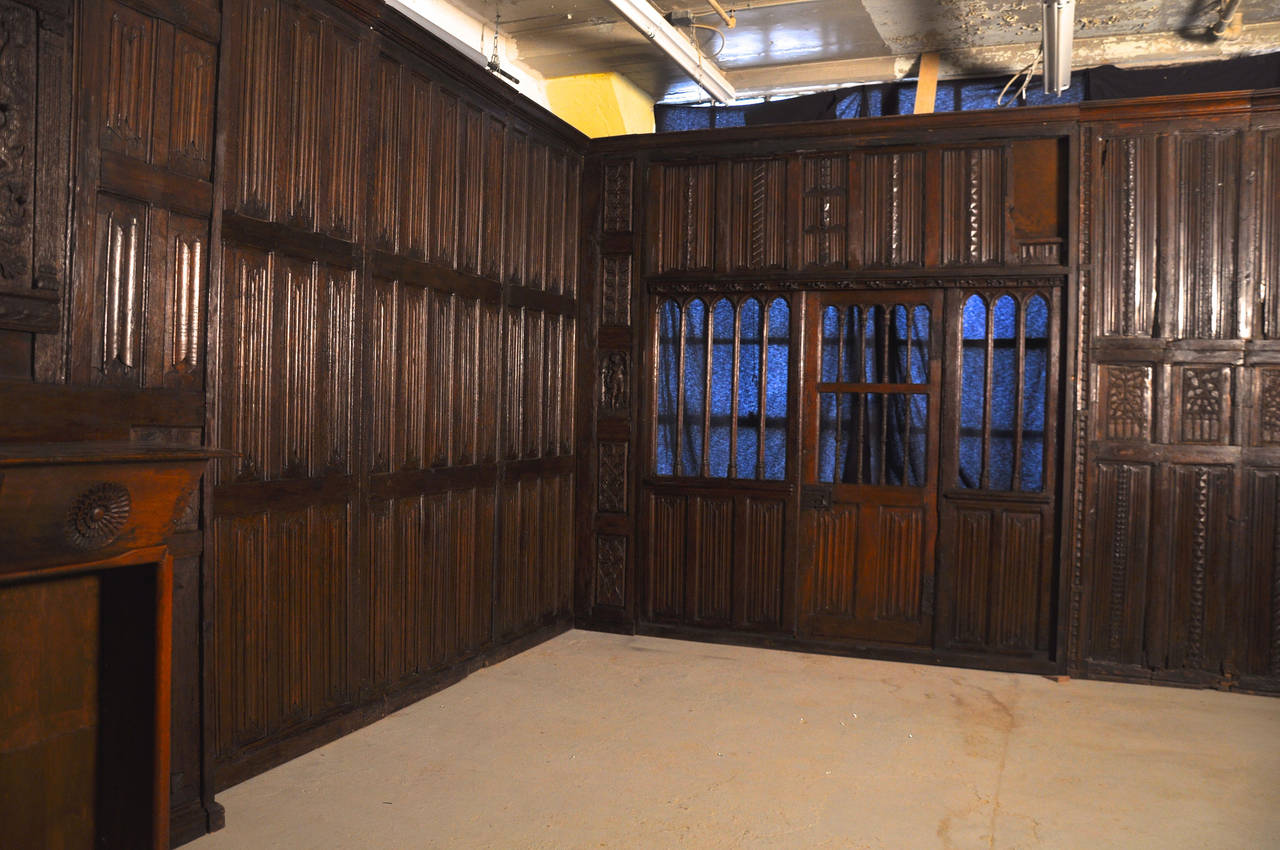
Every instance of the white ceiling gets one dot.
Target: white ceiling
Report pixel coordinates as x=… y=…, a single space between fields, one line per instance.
x=793 y=45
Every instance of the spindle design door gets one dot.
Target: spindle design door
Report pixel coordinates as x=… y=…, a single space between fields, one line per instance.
x=869 y=497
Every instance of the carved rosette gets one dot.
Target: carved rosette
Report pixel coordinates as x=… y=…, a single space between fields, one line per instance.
x=97 y=516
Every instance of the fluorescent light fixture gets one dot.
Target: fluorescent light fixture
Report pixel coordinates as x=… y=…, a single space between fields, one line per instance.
x=644 y=17
x=1059 y=25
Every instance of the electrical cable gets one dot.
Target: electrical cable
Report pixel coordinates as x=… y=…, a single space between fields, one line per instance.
x=1022 y=90
x=715 y=30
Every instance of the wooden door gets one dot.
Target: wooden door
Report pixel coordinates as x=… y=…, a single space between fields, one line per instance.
x=870 y=465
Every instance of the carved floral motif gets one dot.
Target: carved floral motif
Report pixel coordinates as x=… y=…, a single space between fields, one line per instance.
x=611 y=569
x=1127 y=413
x=97 y=516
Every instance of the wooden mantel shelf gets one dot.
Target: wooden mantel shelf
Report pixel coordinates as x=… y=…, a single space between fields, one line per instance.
x=67 y=503
x=86 y=585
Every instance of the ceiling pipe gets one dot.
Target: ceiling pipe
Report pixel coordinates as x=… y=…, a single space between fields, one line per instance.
x=649 y=21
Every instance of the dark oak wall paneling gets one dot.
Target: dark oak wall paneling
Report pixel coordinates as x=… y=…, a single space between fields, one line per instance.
x=311 y=234
x=396 y=370
x=1146 y=549
x=1177 y=485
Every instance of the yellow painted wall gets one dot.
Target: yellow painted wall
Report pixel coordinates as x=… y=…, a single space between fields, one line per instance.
x=601 y=104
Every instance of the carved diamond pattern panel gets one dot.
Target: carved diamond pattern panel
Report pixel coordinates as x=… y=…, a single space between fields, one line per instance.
x=973 y=199
x=1123 y=411
x=611 y=570
x=615 y=290
x=612 y=478
x=758 y=214
x=617 y=196
x=1125 y=303
x=894 y=203
x=825 y=212
x=1203 y=413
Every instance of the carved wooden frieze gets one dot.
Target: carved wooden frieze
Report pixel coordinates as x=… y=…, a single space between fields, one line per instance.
x=611 y=474
x=17 y=144
x=617 y=196
x=615 y=382
x=611 y=570
x=615 y=290
x=1125 y=393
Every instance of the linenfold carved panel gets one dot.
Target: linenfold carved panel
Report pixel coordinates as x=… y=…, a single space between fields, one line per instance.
x=686 y=229
x=973 y=201
x=340 y=135
x=130 y=82
x=1269 y=234
x=894 y=202
x=1122 y=501
x=191 y=121
x=1204 y=234
x=122 y=286
x=386 y=181
x=186 y=263
x=1126 y=237
x=302 y=118
x=257 y=110
x=758 y=216
x=835 y=544
x=1201 y=544
x=244 y=403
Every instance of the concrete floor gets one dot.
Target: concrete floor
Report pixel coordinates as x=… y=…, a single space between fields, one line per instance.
x=595 y=740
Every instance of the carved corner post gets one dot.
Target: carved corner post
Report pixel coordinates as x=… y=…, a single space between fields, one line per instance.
x=608 y=397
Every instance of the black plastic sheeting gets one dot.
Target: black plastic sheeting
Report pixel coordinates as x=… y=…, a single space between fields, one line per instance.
x=1103 y=83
